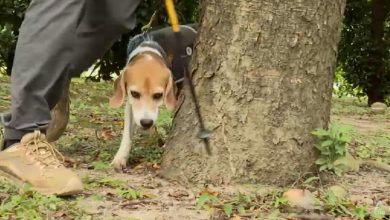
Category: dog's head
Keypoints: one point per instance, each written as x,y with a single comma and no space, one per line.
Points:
148,83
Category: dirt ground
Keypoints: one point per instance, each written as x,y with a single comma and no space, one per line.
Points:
368,186
93,135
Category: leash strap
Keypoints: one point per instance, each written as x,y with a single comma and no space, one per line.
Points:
203,134
146,28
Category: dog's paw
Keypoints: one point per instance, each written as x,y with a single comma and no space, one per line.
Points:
119,163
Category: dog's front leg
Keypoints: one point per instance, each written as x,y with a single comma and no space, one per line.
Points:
122,155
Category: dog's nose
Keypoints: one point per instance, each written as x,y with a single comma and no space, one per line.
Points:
146,123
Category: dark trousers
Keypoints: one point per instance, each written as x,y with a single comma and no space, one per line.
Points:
59,39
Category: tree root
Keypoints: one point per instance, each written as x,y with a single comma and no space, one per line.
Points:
309,216
376,165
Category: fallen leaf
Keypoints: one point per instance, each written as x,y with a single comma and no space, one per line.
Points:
178,193
156,166
139,167
107,134
209,191
60,214
300,198
338,191
352,163
235,217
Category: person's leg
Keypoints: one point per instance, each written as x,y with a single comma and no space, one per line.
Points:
97,28
95,35
41,64
40,71
102,24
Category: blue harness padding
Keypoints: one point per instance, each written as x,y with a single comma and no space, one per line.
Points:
164,41
144,40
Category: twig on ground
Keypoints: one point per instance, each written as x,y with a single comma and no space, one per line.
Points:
377,165
311,216
138,202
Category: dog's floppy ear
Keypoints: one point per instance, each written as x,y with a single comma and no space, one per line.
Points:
119,91
169,94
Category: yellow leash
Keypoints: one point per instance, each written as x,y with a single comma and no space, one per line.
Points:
172,15
204,134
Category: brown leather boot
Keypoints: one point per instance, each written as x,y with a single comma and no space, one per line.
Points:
35,161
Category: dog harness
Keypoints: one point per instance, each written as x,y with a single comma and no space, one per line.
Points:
143,43
161,42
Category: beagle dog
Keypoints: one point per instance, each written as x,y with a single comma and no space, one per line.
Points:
149,80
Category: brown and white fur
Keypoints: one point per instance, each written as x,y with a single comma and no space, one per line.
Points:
147,82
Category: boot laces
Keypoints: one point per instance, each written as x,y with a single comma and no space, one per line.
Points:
44,152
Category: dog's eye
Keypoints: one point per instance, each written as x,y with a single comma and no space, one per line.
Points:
135,94
157,96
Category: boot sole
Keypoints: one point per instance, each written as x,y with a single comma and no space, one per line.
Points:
19,183
73,187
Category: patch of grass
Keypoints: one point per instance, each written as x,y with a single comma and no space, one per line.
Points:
100,165
334,204
164,122
373,146
243,203
4,93
95,182
122,190
278,200
207,200
274,206
311,182
28,204
131,194
91,116
149,153
349,106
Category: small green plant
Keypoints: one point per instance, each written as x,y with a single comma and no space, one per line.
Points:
309,182
278,201
150,152
378,213
332,146
340,206
164,122
207,200
240,203
100,165
94,182
365,151
336,205
360,212
130,194
28,204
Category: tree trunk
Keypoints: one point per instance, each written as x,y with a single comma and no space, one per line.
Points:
379,13
263,71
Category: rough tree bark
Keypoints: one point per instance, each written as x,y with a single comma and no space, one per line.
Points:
379,13
263,71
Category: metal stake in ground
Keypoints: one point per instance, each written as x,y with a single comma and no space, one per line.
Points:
204,134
